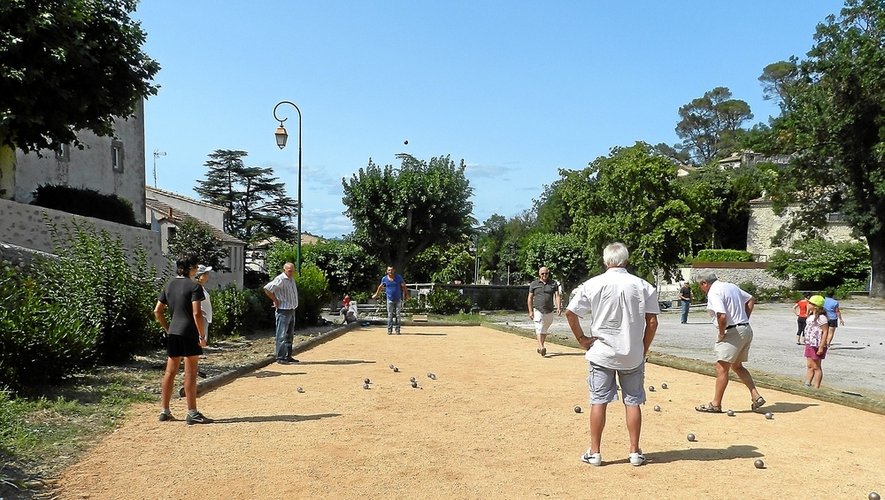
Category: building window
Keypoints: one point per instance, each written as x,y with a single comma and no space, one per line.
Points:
170,234
63,153
117,156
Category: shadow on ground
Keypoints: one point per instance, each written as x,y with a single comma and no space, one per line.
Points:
275,418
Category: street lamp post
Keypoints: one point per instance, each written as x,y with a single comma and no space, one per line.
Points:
282,136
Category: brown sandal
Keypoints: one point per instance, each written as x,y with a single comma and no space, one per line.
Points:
709,408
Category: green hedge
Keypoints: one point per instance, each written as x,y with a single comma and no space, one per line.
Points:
722,255
443,301
85,202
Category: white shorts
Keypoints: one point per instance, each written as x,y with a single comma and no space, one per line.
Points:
542,322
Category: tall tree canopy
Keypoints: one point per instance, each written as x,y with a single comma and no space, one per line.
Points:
68,65
710,125
397,213
257,202
630,196
834,126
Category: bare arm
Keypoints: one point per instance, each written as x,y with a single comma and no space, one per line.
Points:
159,311
272,297
839,315
651,327
557,301
796,309
197,313
378,291
722,322
574,322
405,290
748,307
530,306
826,337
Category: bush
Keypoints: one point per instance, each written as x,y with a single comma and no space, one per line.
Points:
85,202
40,341
412,304
722,255
313,293
821,264
93,277
443,301
259,310
229,308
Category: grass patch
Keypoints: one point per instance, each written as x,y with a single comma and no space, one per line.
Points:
43,430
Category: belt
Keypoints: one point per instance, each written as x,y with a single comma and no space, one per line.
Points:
733,326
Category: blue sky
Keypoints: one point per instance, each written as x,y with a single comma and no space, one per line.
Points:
517,89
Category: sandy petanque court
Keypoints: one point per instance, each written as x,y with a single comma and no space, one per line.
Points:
498,421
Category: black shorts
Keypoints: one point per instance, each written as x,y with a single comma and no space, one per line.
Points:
183,345
832,323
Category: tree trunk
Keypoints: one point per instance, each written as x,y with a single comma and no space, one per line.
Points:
877,257
7,171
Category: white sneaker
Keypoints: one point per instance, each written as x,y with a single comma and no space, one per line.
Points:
592,458
637,459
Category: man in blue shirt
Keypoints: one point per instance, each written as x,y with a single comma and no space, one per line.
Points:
396,292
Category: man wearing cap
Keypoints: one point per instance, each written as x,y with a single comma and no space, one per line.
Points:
284,293
202,277
730,308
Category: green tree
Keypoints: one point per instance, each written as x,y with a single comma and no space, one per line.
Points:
193,236
397,213
710,126
347,268
833,123
630,196
257,202
723,197
66,66
563,254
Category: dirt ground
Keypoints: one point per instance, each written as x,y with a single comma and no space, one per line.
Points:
498,420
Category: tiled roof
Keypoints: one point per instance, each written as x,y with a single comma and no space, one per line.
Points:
175,216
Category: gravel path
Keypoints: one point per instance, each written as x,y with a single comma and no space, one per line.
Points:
852,364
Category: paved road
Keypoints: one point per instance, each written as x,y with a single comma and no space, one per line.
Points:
853,364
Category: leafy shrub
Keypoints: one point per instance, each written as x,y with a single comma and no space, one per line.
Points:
198,238
443,301
362,297
93,277
85,202
313,293
822,264
229,308
723,255
254,279
40,341
259,310
414,305
346,265
278,254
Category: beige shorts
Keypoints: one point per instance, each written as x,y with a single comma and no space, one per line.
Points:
736,346
542,322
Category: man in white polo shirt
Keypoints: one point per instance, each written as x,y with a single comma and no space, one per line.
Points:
730,308
623,310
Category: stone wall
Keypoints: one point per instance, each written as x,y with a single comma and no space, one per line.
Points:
91,167
764,224
25,226
757,275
